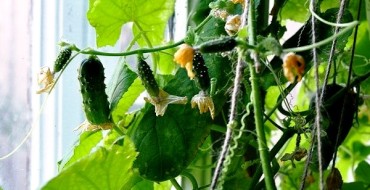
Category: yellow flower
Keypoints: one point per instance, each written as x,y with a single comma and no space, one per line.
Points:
232,24
161,102
45,79
293,66
184,57
204,103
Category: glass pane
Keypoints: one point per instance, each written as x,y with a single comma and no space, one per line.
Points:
15,82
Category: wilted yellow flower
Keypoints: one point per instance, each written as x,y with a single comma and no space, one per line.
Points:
87,126
238,1
220,13
161,102
232,24
293,66
45,79
204,103
184,57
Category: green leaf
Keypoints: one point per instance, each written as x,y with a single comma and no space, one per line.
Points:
362,172
127,100
295,10
108,17
368,13
120,84
107,169
354,185
166,65
328,4
150,185
272,96
88,140
167,144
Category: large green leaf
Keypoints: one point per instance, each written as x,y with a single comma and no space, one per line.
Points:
108,17
108,169
88,140
167,144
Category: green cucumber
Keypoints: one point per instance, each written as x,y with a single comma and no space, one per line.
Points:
332,118
62,59
201,72
147,78
220,45
95,100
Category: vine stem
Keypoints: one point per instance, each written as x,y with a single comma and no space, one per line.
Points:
257,102
147,41
141,50
175,184
233,111
348,27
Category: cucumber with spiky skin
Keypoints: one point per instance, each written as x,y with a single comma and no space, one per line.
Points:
219,45
201,72
62,59
95,100
334,122
147,77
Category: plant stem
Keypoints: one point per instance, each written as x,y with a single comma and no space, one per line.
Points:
133,52
232,116
141,50
175,184
323,42
257,102
288,133
147,41
191,179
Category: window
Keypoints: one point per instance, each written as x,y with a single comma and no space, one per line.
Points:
30,32
15,102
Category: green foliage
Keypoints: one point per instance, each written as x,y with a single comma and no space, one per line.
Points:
102,169
149,18
168,144
120,84
88,140
362,172
145,148
295,10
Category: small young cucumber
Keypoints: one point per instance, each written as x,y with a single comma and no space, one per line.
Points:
147,77
95,100
201,72
62,59
218,45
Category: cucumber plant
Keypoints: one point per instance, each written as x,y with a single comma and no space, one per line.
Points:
235,63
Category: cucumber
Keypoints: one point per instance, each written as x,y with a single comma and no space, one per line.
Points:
147,78
219,45
331,116
62,59
201,72
95,100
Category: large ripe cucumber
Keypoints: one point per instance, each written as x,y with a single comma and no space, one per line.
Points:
95,99
337,118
